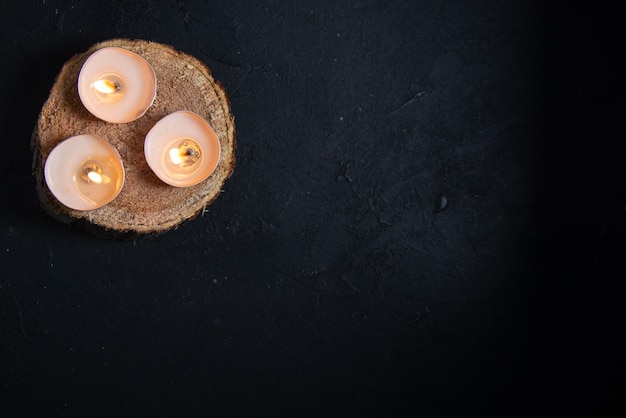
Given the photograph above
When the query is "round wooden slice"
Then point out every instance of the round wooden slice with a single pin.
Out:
(146, 206)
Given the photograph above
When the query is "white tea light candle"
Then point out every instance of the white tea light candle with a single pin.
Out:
(84, 172)
(182, 149)
(116, 85)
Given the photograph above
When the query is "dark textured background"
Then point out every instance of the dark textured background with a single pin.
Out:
(426, 217)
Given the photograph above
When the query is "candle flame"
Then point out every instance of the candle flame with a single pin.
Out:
(186, 154)
(175, 156)
(95, 177)
(91, 172)
(106, 86)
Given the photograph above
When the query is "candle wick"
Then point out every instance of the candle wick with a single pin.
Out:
(186, 154)
(91, 172)
(106, 86)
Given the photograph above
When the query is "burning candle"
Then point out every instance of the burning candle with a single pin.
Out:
(182, 149)
(84, 172)
(116, 85)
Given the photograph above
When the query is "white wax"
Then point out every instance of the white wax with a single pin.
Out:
(182, 149)
(84, 172)
(116, 85)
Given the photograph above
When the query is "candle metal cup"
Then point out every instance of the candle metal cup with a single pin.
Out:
(116, 85)
(84, 172)
(182, 149)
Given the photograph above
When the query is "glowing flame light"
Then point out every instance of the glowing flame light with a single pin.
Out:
(91, 172)
(106, 86)
(186, 155)
(95, 177)
(175, 156)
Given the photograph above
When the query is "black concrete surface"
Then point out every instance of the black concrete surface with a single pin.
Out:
(427, 218)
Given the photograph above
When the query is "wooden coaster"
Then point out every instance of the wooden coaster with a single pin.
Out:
(145, 206)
